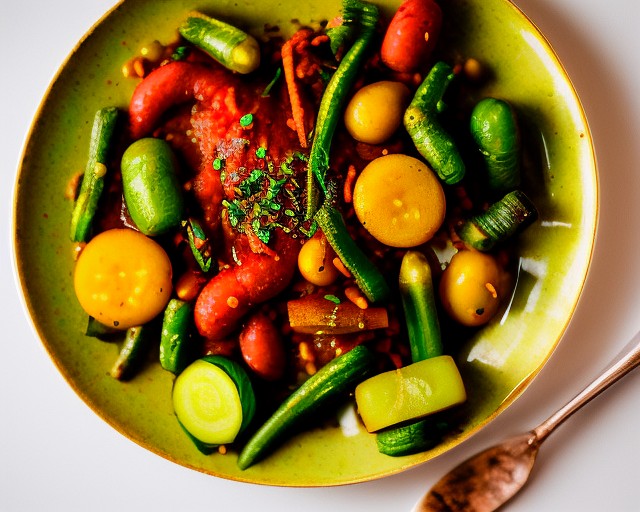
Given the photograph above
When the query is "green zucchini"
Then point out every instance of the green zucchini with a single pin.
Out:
(150, 186)
(494, 128)
(214, 401)
(100, 146)
(230, 46)
(133, 350)
(176, 350)
(504, 218)
(330, 383)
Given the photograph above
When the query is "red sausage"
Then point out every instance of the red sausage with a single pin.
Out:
(412, 35)
(221, 305)
(164, 87)
(229, 296)
(262, 347)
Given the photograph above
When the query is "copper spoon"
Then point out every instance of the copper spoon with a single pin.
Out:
(489, 479)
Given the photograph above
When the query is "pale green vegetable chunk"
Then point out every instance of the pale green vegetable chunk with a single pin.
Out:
(409, 393)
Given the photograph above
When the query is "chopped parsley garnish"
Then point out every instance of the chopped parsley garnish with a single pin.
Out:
(269, 198)
(332, 298)
(246, 120)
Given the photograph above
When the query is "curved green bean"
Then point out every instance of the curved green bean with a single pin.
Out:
(430, 138)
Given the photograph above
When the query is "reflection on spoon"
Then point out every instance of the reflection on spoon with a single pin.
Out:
(489, 479)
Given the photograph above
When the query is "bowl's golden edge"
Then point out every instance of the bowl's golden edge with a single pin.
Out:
(517, 392)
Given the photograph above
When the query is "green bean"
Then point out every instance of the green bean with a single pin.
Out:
(368, 278)
(422, 123)
(176, 350)
(334, 97)
(133, 350)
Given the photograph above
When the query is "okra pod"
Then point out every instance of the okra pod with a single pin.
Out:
(422, 124)
(102, 133)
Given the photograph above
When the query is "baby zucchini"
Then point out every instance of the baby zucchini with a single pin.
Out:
(495, 130)
(234, 49)
(104, 124)
(514, 212)
(150, 185)
(331, 382)
(428, 135)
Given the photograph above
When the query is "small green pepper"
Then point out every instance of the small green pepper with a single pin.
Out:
(428, 135)
(423, 329)
(495, 130)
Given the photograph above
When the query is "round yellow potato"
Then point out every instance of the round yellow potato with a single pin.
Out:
(471, 287)
(123, 278)
(375, 111)
(399, 200)
(315, 261)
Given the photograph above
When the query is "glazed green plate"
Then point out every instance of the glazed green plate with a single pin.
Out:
(498, 363)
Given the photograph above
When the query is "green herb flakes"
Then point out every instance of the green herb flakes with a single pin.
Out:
(246, 120)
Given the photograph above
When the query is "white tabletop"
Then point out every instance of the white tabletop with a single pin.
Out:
(55, 454)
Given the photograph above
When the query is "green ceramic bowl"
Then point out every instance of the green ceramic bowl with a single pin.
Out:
(498, 363)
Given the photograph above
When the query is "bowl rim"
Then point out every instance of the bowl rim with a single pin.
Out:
(19, 271)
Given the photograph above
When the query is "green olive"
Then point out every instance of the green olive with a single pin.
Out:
(470, 287)
(375, 111)
(150, 185)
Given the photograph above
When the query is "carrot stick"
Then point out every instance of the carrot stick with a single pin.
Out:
(294, 93)
(349, 183)
(315, 313)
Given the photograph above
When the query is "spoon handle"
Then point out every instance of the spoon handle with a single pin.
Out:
(615, 372)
